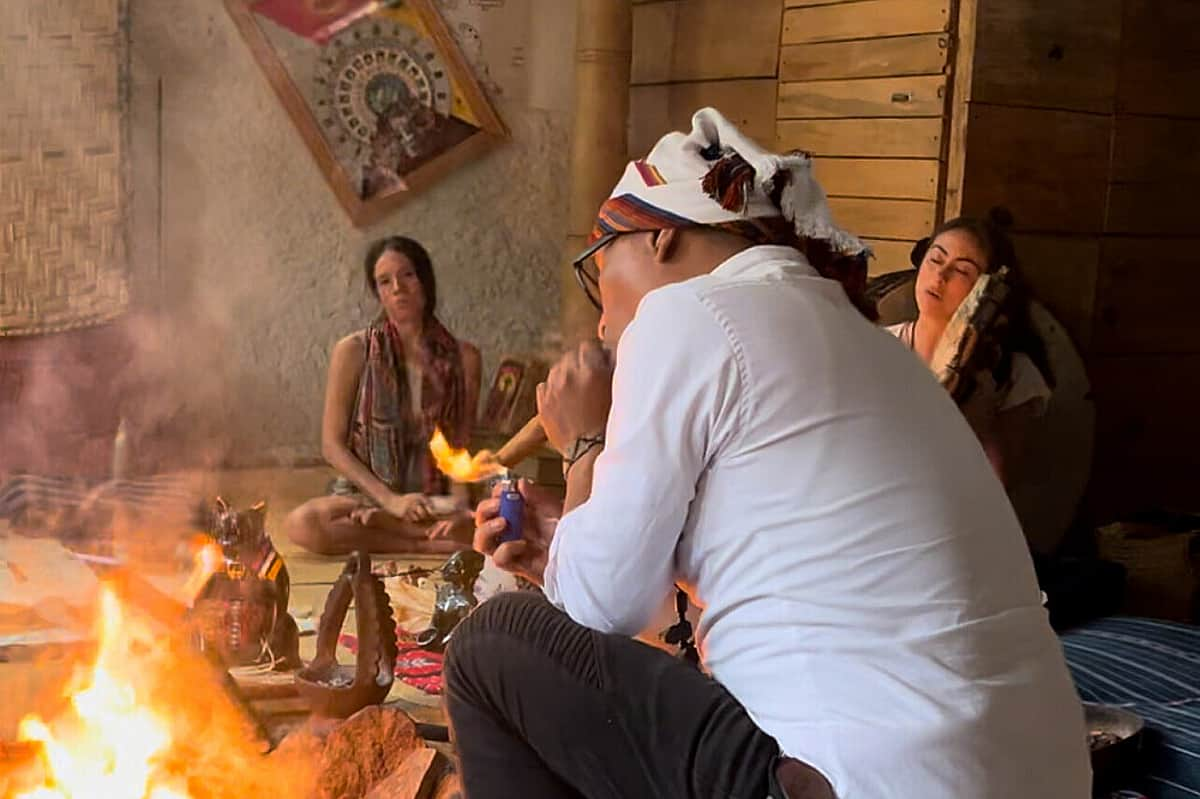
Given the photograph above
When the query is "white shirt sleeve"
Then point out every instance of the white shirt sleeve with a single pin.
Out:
(675, 402)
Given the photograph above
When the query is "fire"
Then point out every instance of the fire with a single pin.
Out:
(114, 750)
(149, 720)
(459, 465)
(207, 560)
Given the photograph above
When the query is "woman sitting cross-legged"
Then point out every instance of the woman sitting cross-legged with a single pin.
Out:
(389, 386)
(949, 264)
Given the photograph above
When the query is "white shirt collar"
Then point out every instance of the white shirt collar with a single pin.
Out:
(765, 260)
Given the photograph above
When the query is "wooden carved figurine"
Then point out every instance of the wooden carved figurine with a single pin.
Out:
(337, 691)
(455, 598)
(240, 614)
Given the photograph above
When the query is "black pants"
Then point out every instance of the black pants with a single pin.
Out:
(542, 707)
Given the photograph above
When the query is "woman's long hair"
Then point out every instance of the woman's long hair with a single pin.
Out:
(991, 233)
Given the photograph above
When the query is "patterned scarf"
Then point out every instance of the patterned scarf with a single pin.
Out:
(382, 433)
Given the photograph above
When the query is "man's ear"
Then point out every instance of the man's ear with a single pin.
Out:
(665, 242)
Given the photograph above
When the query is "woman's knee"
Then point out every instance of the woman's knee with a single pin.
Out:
(303, 528)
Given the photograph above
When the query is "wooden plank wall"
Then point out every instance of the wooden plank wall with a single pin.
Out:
(1031, 132)
(688, 54)
(863, 85)
(860, 84)
(1080, 117)
(1146, 330)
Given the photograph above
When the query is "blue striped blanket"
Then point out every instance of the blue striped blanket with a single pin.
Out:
(1152, 668)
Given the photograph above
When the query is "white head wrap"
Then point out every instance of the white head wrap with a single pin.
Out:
(717, 176)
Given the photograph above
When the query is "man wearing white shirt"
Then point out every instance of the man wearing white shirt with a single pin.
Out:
(871, 622)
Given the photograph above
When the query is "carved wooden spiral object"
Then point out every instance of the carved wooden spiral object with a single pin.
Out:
(336, 691)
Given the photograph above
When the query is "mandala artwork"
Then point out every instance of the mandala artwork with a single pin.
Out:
(389, 96)
(386, 101)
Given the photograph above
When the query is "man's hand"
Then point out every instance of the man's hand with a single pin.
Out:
(576, 397)
(528, 556)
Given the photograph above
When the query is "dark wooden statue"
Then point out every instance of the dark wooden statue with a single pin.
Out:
(455, 598)
(240, 616)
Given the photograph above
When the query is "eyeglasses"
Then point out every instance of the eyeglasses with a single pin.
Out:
(587, 273)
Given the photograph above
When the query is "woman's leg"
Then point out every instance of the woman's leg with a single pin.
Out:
(324, 526)
(541, 706)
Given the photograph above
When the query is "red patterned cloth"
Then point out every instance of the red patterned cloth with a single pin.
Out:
(414, 666)
(382, 431)
(316, 21)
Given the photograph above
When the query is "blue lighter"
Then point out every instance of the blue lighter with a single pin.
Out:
(512, 508)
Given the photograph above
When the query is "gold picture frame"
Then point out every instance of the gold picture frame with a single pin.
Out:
(333, 101)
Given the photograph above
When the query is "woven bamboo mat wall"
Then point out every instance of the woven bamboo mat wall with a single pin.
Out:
(62, 205)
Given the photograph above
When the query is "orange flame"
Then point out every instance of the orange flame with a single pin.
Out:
(114, 750)
(207, 560)
(459, 465)
(149, 720)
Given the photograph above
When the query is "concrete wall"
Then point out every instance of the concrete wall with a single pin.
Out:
(246, 270)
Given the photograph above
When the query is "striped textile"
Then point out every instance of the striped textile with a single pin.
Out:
(629, 213)
(1152, 668)
(27, 499)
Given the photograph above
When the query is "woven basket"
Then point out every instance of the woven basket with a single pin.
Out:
(63, 258)
(1163, 569)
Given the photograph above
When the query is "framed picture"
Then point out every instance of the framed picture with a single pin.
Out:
(512, 400)
(379, 91)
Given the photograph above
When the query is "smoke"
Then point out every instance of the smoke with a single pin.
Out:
(243, 269)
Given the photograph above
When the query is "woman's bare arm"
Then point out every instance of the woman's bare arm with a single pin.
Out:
(341, 390)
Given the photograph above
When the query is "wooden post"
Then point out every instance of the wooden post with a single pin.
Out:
(599, 152)
(958, 112)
